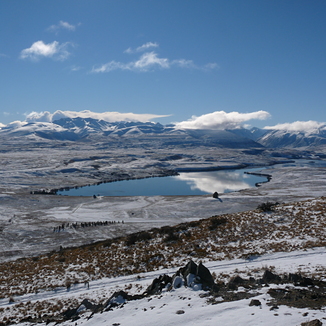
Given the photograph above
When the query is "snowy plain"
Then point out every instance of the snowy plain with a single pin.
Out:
(27, 222)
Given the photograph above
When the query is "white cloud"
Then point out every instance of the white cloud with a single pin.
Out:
(299, 126)
(149, 61)
(75, 68)
(143, 47)
(107, 116)
(147, 46)
(53, 50)
(221, 120)
(62, 25)
(211, 66)
(183, 63)
(2, 125)
(16, 124)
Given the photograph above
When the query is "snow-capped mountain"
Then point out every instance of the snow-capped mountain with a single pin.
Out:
(275, 138)
(285, 138)
(86, 129)
(74, 129)
(253, 133)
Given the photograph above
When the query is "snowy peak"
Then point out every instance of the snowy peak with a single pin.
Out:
(285, 138)
(87, 129)
(74, 129)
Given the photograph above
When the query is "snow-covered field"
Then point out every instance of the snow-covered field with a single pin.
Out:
(29, 226)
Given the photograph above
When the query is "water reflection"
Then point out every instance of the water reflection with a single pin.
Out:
(193, 183)
(223, 181)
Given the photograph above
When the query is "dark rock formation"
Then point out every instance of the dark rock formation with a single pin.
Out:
(199, 277)
(315, 322)
(160, 283)
(196, 274)
(270, 277)
(254, 302)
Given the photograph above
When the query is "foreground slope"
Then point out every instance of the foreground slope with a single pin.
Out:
(47, 285)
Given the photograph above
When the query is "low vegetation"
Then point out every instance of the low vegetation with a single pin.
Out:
(287, 227)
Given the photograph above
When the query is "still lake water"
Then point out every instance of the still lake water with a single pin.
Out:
(190, 183)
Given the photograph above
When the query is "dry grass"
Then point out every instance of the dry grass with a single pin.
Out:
(300, 225)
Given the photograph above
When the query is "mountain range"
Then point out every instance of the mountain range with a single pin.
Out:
(87, 129)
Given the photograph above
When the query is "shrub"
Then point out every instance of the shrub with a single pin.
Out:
(139, 236)
(267, 207)
(171, 236)
(216, 221)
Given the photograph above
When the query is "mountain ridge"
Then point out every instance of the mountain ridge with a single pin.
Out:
(87, 129)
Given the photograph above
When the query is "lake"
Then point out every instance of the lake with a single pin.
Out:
(190, 183)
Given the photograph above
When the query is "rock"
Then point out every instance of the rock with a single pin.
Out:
(299, 280)
(180, 312)
(307, 282)
(295, 278)
(190, 268)
(315, 322)
(194, 274)
(87, 304)
(205, 276)
(235, 282)
(177, 282)
(254, 302)
(161, 282)
(270, 277)
(117, 298)
(70, 313)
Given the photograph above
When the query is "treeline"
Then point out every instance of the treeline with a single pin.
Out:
(76, 225)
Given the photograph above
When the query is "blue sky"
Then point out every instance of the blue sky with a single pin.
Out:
(178, 58)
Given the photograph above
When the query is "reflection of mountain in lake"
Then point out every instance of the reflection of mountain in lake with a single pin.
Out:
(220, 181)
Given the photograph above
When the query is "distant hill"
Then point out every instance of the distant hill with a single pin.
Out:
(88, 129)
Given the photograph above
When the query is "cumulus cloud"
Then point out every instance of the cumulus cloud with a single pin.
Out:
(221, 120)
(106, 116)
(149, 61)
(53, 50)
(299, 126)
(62, 25)
(2, 125)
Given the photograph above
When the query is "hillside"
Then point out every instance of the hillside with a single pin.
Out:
(31, 285)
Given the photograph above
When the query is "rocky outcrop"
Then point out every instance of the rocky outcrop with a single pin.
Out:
(305, 293)
(315, 322)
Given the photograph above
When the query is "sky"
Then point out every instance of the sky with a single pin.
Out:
(188, 62)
